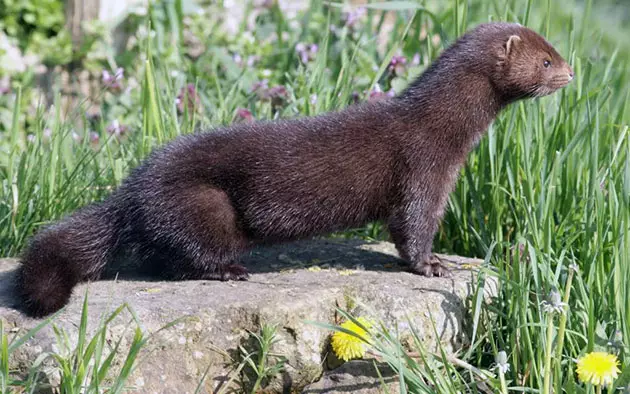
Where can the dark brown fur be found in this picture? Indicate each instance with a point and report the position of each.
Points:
(194, 206)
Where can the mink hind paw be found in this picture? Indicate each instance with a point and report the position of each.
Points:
(235, 272)
(232, 271)
(433, 266)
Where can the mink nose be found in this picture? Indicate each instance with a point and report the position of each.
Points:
(570, 72)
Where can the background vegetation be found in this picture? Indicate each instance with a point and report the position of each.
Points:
(549, 186)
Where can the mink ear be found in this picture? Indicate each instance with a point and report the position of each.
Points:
(510, 44)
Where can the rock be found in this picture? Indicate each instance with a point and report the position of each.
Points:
(356, 376)
(291, 286)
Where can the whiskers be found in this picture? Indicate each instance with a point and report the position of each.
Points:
(557, 82)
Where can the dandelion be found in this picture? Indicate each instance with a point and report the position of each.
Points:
(502, 362)
(554, 303)
(598, 368)
(502, 367)
(347, 346)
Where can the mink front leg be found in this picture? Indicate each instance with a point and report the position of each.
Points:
(412, 227)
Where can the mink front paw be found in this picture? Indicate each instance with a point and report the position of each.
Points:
(433, 266)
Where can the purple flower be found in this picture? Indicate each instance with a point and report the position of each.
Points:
(76, 137)
(189, 97)
(416, 59)
(94, 138)
(277, 91)
(313, 99)
(277, 95)
(267, 4)
(378, 94)
(244, 115)
(113, 81)
(306, 52)
(354, 16)
(116, 129)
(46, 134)
(5, 85)
(260, 86)
(398, 65)
(252, 59)
(237, 59)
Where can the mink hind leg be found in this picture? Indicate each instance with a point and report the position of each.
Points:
(198, 238)
(413, 227)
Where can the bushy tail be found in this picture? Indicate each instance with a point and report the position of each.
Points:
(58, 257)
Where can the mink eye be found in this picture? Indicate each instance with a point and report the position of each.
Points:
(547, 63)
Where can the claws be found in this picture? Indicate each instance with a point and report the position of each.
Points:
(433, 267)
(234, 272)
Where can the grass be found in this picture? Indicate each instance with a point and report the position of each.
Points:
(88, 364)
(548, 187)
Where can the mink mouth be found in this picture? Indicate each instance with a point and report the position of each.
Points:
(560, 81)
(557, 82)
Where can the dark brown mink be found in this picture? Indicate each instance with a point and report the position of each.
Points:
(196, 204)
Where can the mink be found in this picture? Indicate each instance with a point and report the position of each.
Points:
(199, 202)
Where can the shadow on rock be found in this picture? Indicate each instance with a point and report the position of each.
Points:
(323, 253)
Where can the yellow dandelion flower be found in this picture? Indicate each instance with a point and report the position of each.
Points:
(598, 368)
(347, 346)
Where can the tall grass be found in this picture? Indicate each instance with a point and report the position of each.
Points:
(548, 187)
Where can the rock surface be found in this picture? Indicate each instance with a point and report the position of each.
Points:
(290, 286)
(356, 376)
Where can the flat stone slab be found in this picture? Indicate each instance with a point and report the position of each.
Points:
(290, 285)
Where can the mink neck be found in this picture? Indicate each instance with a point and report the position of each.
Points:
(457, 98)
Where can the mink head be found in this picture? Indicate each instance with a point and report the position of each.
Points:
(528, 66)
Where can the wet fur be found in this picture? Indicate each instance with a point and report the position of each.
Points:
(195, 205)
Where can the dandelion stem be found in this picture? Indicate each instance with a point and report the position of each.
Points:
(503, 384)
(563, 319)
(598, 389)
(548, 350)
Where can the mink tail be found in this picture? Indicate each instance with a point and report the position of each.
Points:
(73, 250)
